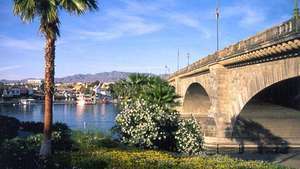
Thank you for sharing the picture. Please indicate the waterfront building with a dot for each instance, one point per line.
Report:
(13, 92)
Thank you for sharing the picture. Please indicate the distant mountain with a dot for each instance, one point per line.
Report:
(102, 77)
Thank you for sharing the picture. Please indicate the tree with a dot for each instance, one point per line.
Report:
(47, 12)
(159, 92)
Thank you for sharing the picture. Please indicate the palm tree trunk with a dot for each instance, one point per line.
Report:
(49, 91)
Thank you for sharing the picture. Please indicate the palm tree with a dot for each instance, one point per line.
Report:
(159, 92)
(47, 13)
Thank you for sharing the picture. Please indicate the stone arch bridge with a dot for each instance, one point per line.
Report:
(247, 93)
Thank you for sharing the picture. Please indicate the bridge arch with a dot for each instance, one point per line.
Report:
(254, 79)
(272, 115)
(196, 100)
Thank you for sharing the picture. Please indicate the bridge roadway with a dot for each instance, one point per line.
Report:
(252, 75)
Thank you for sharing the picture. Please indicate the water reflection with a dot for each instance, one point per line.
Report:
(96, 117)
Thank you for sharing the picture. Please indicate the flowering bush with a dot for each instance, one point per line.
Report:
(188, 137)
(148, 118)
(146, 125)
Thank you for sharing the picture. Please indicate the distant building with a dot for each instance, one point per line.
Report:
(102, 89)
(35, 82)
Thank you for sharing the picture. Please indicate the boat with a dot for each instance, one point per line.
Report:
(83, 99)
(104, 100)
(27, 101)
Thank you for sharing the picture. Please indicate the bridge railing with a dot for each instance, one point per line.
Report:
(270, 35)
(200, 63)
(273, 34)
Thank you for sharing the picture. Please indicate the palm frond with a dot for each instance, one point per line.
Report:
(78, 6)
(26, 9)
(49, 20)
(47, 11)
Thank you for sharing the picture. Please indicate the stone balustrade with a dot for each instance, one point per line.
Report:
(275, 35)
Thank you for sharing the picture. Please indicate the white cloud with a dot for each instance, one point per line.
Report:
(248, 15)
(190, 21)
(23, 44)
(121, 24)
(12, 67)
(135, 18)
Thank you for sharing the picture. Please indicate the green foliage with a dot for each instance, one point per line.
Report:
(91, 140)
(129, 88)
(23, 153)
(189, 137)
(30, 126)
(37, 127)
(149, 88)
(161, 93)
(18, 154)
(61, 136)
(116, 159)
(9, 127)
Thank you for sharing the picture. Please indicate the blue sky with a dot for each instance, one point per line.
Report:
(133, 35)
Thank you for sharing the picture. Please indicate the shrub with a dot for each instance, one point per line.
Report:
(18, 154)
(61, 135)
(23, 153)
(90, 140)
(146, 125)
(188, 137)
(9, 127)
(37, 127)
(30, 126)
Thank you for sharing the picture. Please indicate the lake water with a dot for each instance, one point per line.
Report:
(100, 117)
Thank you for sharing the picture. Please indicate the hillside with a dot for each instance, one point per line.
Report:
(103, 77)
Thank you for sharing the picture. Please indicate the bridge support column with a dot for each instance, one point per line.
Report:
(220, 102)
(179, 93)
